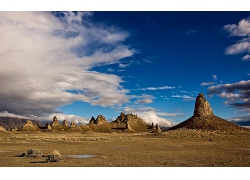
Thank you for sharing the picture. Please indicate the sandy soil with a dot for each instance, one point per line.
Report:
(176, 148)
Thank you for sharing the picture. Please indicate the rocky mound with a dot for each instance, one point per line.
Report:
(98, 121)
(204, 119)
(29, 126)
(100, 124)
(130, 122)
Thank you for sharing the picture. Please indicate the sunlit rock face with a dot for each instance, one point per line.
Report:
(202, 107)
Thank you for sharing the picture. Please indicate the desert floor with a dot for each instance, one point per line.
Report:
(176, 148)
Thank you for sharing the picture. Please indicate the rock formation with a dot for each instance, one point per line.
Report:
(72, 124)
(29, 126)
(157, 127)
(92, 120)
(130, 122)
(65, 123)
(204, 119)
(202, 107)
(55, 122)
(99, 120)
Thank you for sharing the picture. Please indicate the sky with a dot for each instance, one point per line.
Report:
(76, 65)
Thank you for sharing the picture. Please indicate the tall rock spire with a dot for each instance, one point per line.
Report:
(202, 107)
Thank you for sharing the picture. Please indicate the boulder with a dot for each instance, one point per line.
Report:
(33, 153)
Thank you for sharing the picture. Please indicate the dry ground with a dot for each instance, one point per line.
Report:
(169, 149)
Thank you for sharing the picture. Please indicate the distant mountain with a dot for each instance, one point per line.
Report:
(9, 122)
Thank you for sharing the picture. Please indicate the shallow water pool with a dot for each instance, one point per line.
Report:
(82, 156)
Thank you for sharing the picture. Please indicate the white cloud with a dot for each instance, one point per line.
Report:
(207, 83)
(7, 114)
(123, 65)
(44, 59)
(215, 77)
(149, 115)
(156, 88)
(143, 101)
(242, 30)
(182, 96)
(246, 57)
(239, 47)
(159, 88)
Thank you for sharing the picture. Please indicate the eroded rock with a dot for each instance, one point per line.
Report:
(202, 107)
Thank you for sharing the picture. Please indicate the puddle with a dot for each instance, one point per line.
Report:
(82, 156)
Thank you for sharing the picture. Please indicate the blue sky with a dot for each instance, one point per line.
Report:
(81, 64)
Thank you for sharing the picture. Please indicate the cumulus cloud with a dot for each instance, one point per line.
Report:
(149, 115)
(241, 30)
(246, 57)
(237, 94)
(46, 62)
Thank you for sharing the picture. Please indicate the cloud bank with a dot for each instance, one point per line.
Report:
(46, 62)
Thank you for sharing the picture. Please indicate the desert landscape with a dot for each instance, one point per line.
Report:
(203, 140)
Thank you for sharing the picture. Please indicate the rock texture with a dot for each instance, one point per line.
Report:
(204, 119)
(202, 107)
